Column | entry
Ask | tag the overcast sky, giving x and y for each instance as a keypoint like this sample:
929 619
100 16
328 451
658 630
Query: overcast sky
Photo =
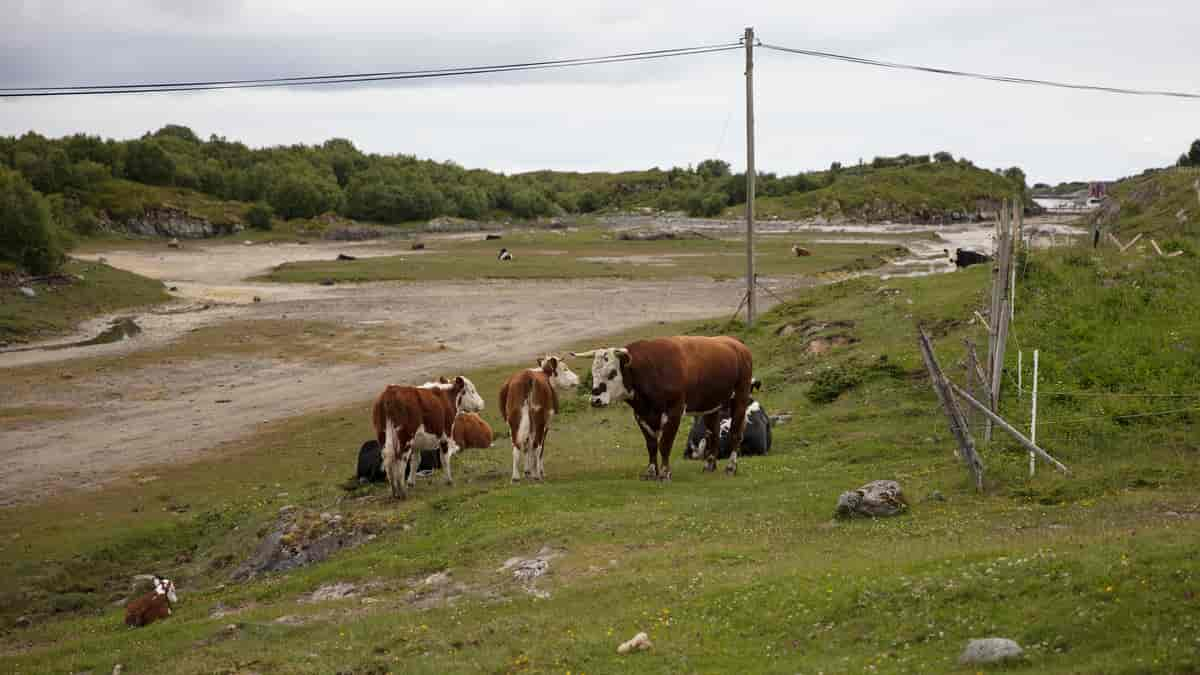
627 116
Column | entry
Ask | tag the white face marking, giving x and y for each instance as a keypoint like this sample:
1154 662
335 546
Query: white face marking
165 587
608 385
753 407
469 399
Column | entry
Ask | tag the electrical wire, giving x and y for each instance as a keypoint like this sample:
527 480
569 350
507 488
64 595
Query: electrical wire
351 78
980 76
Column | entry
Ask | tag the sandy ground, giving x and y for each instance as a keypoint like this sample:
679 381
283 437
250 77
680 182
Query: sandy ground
126 419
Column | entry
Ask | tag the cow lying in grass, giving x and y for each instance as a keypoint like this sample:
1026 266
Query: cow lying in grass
666 378
528 402
152 606
471 431
756 440
409 418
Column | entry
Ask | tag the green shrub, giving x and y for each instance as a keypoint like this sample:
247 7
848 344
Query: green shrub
259 215
705 205
832 382
28 237
147 162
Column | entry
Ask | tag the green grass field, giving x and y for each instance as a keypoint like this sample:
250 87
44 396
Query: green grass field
59 308
589 252
1095 572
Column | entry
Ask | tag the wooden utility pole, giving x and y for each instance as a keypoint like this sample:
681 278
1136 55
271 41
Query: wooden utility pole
751 305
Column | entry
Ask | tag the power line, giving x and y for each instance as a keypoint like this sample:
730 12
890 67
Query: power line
351 78
979 76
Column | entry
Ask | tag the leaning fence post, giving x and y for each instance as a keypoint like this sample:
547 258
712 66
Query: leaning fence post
958 422
1008 428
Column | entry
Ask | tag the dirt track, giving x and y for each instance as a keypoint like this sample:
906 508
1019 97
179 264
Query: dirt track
132 417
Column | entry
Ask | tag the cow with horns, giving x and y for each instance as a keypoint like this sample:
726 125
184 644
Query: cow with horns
664 379
528 401
407 418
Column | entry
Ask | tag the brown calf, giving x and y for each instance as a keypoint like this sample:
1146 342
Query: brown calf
408 418
152 606
528 402
665 378
470 431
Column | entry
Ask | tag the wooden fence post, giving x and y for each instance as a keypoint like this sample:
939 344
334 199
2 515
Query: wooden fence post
1009 428
958 422
1033 414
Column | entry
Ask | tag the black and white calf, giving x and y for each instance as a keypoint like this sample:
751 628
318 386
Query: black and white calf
756 439
504 255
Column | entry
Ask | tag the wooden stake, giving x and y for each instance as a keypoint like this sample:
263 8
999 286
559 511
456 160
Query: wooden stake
958 423
1009 428
1033 414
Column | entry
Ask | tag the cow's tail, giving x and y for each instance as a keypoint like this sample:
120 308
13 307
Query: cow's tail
390 449
525 426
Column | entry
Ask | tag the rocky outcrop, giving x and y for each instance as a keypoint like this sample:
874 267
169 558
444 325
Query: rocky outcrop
169 221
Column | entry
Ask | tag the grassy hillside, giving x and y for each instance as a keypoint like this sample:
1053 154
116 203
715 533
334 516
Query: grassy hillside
1163 204
59 306
726 574
923 192
589 252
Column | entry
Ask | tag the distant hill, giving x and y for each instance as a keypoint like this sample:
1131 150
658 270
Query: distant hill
1163 203
925 192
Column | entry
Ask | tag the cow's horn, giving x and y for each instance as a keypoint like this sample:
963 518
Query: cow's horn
584 355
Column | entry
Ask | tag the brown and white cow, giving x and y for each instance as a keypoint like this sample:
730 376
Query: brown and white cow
528 402
152 606
471 431
664 379
408 418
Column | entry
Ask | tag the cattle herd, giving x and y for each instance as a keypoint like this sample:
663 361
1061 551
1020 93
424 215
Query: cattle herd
418 429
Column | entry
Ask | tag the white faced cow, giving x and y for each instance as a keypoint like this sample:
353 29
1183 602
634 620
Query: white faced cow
408 418
528 402
666 378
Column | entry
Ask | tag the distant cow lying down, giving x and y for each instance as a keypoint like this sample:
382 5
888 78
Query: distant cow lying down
964 258
408 419
152 606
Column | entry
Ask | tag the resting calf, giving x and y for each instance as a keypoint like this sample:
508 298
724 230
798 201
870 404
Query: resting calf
152 606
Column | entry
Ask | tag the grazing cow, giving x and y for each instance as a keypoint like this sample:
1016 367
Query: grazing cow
470 431
666 378
964 258
152 606
504 255
408 418
528 402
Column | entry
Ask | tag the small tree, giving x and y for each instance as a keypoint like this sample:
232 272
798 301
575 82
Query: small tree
1194 153
27 233
943 157
259 215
